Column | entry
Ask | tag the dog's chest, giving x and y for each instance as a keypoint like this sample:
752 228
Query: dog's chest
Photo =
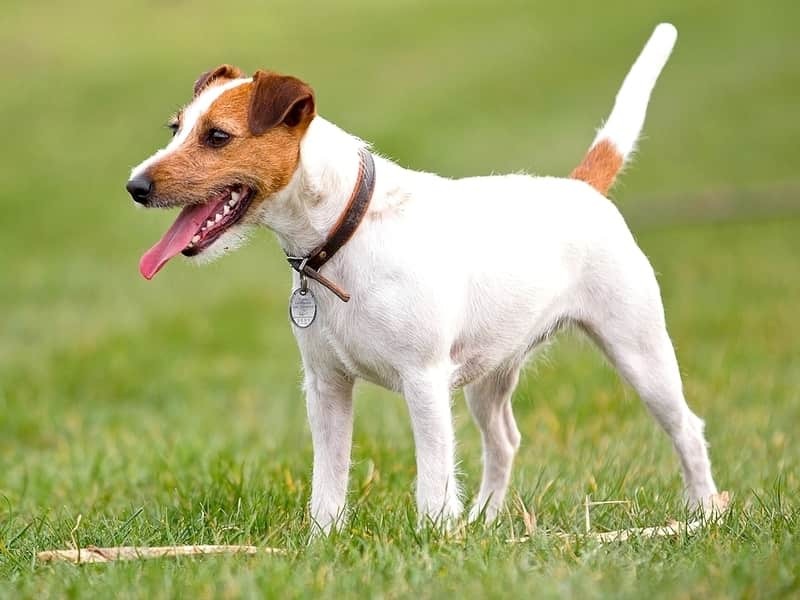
342 342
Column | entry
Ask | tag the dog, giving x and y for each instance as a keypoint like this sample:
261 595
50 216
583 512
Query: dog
419 283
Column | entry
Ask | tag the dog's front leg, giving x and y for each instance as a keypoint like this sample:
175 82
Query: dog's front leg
428 401
329 402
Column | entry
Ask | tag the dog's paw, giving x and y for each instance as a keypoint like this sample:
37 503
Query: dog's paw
324 526
713 506
484 513
447 519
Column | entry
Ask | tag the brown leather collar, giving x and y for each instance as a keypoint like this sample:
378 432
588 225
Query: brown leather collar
344 228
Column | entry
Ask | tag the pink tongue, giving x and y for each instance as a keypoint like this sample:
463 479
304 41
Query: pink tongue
176 239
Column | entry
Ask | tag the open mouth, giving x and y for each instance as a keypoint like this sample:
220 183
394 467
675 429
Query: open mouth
227 212
197 227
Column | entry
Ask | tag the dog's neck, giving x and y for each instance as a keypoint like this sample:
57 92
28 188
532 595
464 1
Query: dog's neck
304 212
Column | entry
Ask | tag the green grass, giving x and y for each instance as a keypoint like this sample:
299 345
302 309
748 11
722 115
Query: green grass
170 411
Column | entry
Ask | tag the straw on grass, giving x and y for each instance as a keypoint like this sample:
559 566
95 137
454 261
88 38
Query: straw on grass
92 554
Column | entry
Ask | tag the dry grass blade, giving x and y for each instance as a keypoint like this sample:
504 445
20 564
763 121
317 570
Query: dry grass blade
92 554
719 505
529 518
620 535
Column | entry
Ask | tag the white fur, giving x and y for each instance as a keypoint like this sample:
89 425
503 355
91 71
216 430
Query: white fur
453 283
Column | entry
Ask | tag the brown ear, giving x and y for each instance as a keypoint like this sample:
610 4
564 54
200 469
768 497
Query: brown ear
222 71
279 99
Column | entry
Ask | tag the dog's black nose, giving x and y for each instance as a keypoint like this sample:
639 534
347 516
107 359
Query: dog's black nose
140 188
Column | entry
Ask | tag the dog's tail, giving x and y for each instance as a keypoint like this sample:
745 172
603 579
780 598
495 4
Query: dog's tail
616 140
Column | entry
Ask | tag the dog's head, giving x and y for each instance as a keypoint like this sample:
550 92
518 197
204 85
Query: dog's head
234 146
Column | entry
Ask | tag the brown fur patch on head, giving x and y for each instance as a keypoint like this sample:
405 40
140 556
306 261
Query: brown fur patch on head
599 167
266 120
221 72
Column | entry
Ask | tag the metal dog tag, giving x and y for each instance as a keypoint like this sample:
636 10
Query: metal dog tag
302 307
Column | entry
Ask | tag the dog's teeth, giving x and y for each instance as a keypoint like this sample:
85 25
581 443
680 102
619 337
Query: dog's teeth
218 218
226 209
209 223
235 197
195 239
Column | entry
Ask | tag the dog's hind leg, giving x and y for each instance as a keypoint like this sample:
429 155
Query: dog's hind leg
626 319
489 401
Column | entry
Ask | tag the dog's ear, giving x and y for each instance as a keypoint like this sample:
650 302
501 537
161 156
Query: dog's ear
279 99
222 71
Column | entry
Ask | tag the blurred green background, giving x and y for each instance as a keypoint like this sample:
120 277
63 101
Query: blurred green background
155 409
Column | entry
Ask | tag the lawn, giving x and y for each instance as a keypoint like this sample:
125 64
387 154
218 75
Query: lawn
170 412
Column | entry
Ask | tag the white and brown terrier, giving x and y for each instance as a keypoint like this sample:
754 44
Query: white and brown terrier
450 283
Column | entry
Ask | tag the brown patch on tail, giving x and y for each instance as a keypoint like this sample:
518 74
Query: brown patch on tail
599 167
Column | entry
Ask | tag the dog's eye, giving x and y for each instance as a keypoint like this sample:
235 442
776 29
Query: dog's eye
216 138
173 127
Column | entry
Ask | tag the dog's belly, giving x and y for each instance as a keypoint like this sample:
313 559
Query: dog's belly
475 358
